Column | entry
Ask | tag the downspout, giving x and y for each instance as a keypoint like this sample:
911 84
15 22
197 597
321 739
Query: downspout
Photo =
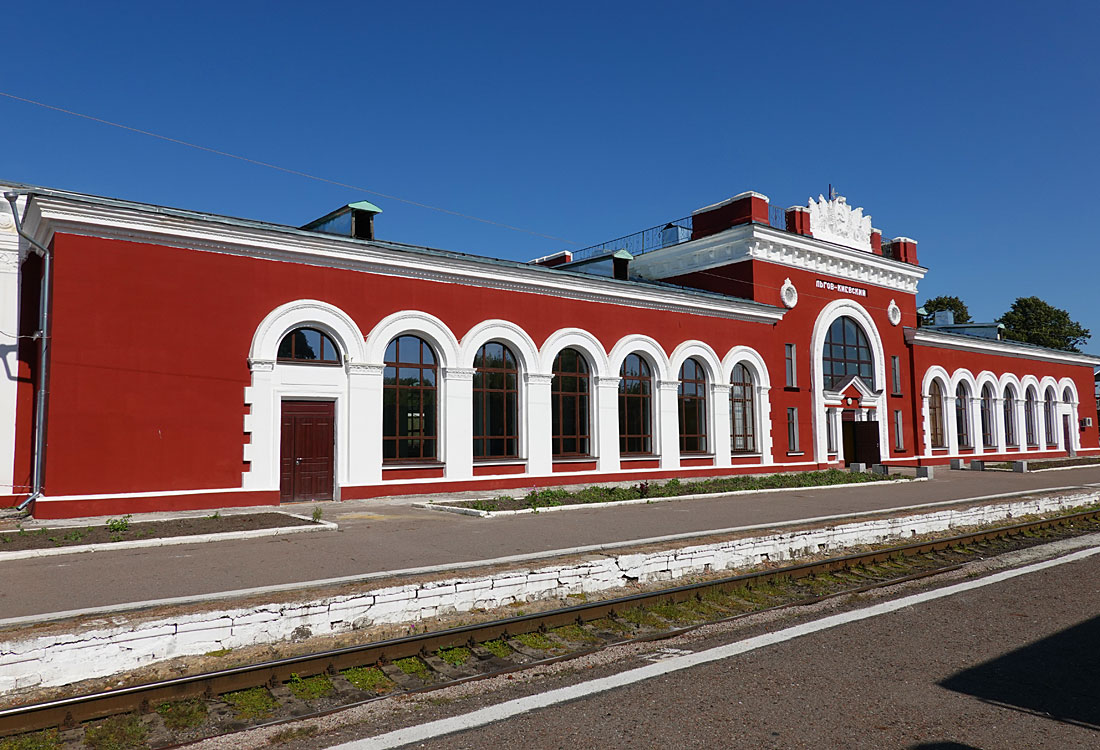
43 343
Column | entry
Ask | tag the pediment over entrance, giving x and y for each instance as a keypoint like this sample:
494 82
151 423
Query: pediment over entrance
853 388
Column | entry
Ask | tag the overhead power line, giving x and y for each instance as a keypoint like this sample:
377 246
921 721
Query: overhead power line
296 172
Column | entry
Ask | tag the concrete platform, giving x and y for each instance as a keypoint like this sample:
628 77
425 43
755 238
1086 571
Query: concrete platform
383 535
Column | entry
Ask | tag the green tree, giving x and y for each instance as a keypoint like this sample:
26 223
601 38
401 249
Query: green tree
1034 321
946 302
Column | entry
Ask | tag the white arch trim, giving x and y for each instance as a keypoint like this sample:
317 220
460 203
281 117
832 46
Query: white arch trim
935 372
303 312
747 356
829 313
702 353
415 323
637 343
507 333
582 341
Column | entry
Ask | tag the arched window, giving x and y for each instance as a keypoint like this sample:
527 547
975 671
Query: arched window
308 345
1067 395
989 430
742 411
692 405
496 402
569 401
1050 407
847 353
962 415
410 415
1010 417
1031 418
635 406
935 415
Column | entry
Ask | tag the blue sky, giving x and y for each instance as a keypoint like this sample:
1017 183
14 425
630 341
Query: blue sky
971 127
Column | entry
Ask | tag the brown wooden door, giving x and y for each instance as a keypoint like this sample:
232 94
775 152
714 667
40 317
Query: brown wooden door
865 436
308 445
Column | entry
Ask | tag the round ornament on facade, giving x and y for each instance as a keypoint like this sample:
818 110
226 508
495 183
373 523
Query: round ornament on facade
893 312
788 293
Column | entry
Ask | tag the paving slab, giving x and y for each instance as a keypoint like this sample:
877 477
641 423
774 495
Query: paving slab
390 534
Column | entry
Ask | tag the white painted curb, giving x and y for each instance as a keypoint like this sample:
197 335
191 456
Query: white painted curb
646 500
106 646
220 536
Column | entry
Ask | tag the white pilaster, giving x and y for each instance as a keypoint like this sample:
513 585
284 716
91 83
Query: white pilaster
606 423
951 424
261 424
458 427
540 423
668 424
763 418
9 326
1000 436
975 417
364 424
720 427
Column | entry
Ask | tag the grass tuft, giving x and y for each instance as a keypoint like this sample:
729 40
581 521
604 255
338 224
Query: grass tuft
254 703
47 739
536 641
415 666
498 648
116 733
310 688
456 656
372 679
183 714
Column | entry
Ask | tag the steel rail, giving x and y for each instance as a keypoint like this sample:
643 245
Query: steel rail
67 712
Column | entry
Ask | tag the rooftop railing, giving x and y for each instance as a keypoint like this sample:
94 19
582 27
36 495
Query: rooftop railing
663 235
654 238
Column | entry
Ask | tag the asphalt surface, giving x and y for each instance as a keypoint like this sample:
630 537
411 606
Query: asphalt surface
385 535
1011 665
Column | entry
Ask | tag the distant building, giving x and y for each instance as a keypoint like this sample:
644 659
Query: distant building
193 361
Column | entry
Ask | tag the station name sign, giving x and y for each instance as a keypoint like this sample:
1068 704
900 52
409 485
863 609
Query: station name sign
832 286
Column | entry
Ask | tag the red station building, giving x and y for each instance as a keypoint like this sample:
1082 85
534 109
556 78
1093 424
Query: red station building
159 358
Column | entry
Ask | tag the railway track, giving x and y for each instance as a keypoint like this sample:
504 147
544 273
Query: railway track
296 687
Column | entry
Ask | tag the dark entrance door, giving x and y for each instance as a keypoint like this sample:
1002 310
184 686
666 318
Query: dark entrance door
861 443
308 445
1067 435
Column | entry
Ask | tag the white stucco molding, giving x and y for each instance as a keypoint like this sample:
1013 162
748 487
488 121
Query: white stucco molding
702 353
645 345
307 312
960 342
963 375
582 341
414 323
506 332
100 217
829 313
984 378
833 220
759 242
1067 383
749 357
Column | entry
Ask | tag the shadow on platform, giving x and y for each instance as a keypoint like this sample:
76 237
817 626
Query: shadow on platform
1057 677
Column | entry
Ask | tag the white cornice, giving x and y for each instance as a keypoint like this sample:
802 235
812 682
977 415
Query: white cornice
53 214
759 242
925 337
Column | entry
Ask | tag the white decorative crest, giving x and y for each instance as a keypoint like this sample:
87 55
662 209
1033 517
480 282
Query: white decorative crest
893 312
788 293
835 221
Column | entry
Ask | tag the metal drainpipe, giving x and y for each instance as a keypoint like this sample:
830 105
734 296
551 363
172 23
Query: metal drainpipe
43 342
